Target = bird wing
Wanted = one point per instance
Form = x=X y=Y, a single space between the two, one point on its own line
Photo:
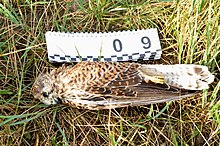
x=109 y=97
x=86 y=74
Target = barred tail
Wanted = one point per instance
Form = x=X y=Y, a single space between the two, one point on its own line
x=184 y=76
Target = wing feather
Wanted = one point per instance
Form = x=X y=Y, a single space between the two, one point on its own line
x=110 y=97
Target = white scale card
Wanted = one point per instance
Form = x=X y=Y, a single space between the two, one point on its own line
x=111 y=46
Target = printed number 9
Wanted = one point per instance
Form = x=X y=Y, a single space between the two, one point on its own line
x=146 y=41
x=117 y=45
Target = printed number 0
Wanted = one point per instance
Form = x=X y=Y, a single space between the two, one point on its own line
x=117 y=48
x=146 y=41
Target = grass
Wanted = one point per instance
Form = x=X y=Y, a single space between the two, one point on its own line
x=189 y=33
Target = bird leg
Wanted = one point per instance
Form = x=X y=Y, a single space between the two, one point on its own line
x=154 y=79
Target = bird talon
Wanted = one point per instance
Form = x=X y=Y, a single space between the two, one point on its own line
x=155 y=79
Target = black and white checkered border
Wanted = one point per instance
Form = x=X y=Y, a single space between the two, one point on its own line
x=125 y=57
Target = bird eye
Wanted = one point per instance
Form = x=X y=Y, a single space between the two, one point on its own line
x=45 y=94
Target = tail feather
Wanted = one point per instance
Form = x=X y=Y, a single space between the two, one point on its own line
x=185 y=76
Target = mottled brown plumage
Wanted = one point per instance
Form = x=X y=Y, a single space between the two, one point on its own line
x=104 y=85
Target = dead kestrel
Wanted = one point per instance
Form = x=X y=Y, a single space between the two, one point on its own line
x=105 y=85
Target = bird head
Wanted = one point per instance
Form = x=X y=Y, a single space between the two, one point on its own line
x=44 y=90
